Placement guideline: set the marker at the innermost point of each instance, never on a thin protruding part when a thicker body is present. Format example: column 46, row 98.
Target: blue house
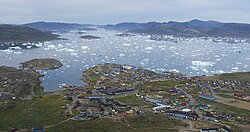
column 41, row 129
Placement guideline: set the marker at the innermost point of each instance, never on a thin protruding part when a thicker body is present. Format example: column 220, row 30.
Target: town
column 116, row 91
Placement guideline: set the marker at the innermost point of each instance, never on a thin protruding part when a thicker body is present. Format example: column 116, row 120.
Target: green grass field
column 35, row 113
column 228, row 109
column 132, row 100
column 42, row 112
column 240, row 76
column 161, row 84
column 147, row 122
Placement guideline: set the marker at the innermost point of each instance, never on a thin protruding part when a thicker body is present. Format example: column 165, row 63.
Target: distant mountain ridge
column 55, row 26
column 19, row 34
column 193, row 28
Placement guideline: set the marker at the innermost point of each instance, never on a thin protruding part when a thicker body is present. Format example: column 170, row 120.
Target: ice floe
column 203, row 63
column 189, row 56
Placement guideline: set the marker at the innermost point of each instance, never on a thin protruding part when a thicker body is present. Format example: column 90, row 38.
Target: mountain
column 54, row 26
column 124, row 26
column 193, row 28
column 19, row 34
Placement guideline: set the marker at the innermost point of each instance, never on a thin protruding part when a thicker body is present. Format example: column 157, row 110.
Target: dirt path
column 49, row 126
column 234, row 102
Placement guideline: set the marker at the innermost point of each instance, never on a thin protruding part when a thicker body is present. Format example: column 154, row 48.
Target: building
column 153, row 100
column 239, row 95
column 226, row 129
column 92, row 98
column 182, row 115
column 38, row 129
column 208, row 97
column 210, row 118
column 208, row 130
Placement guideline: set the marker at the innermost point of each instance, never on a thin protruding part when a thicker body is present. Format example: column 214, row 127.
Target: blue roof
column 209, row 98
column 38, row 129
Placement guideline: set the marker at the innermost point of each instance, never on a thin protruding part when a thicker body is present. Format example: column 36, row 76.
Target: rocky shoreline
column 41, row 64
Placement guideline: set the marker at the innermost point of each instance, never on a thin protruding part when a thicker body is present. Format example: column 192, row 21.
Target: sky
column 117, row 11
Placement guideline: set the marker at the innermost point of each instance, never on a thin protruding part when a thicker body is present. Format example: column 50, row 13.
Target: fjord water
column 190, row 57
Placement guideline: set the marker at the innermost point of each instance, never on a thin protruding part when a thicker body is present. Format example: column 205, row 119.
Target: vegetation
column 55, row 26
column 132, row 100
column 17, row 82
column 47, row 111
column 42, row 64
column 18, row 34
column 161, row 84
column 239, row 76
column 193, row 28
column 34, row 113
column 145, row 122
column 226, row 108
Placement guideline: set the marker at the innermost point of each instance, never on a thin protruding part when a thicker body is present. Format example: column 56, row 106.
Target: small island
column 89, row 29
column 81, row 32
column 124, row 35
column 42, row 64
column 90, row 37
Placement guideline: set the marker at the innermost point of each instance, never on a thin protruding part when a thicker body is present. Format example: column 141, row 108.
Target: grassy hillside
column 237, row 76
column 55, row 26
column 18, row 34
column 25, row 115
column 194, row 28
column 16, row 82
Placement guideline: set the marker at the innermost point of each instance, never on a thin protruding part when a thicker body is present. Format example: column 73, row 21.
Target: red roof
column 121, row 114
column 240, row 95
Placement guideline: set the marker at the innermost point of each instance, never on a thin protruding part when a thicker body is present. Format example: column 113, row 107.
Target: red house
column 239, row 95
column 120, row 114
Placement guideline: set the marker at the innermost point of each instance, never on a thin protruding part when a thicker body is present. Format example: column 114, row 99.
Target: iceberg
column 149, row 48
column 126, row 44
column 203, row 64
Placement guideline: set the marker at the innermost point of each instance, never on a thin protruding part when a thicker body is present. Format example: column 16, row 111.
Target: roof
column 208, row 129
column 186, row 110
column 227, row 129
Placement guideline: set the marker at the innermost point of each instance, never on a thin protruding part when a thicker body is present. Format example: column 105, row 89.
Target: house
column 153, row 100
column 96, row 72
column 177, row 114
column 126, row 67
column 38, row 129
column 89, row 92
column 120, row 114
column 92, row 98
column 117, row 69
column 208, row 130
column 239, row 95
column 210, row 118
column 160, row 107
column 184, row 103
column 156, row 90
column 113, row 74
column 201, row 107
column 207, row 97
column 105, row 74
column 14, row 130
column 226, row 129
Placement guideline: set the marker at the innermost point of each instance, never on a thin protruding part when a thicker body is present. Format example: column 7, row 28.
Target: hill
column 18, row 34
column 193, row 28
column 54, row 26
column 19, row 83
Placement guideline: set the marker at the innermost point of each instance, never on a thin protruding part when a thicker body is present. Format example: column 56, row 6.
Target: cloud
column 114, row 11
